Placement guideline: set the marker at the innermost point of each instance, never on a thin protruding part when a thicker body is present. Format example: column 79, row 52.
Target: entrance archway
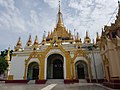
column 55, row 66
column 33, row 71
column 81, row 70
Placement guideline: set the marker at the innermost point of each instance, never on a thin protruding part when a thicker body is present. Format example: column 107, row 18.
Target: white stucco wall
column 17, row 67
column 98, row 63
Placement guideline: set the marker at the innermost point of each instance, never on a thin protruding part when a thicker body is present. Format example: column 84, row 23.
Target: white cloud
column 52, row 3
column 11, row 17
column 25, row 17
column 93, row 14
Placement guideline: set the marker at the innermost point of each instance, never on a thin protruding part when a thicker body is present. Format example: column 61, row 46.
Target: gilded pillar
column 25, row 71
column 41, row 70
column 73, row 69
column 68, row 69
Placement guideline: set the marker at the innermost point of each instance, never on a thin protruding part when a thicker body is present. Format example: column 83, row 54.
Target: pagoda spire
column 60, row 21
column 29, row 42
column 36, row 40
column 19, row 42
column 77, row 36
column 87, row 39
column 18, row 46
column 97, row 37
column 86, row 34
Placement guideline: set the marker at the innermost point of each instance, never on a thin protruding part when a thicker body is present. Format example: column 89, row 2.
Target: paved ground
column 82, row 86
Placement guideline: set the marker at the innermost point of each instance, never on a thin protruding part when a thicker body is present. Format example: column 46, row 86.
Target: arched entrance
column 55, row 67
column 33, row 71
column 81, row 70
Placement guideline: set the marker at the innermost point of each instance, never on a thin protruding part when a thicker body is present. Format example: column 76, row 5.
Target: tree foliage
column 3, row 65
column 4, row 53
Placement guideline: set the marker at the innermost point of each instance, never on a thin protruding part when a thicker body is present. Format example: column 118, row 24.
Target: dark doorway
column 80, row 71
column 33, row 71
column 55, row 67
column 58, row 69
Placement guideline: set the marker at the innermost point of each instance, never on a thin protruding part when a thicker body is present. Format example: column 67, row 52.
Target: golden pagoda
column 60, row 30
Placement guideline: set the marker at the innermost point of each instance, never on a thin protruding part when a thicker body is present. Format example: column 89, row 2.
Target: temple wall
column 98, row 63
column 17, row 67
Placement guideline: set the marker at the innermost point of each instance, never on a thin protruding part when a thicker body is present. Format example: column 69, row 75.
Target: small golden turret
column 36, row 40
column 36, row 43
column 19, row 42
column 77, row 39
column 97, row 38
column 18, row 46
column 44, row 38
column 8, row 55
column 69, row 34
column 48, row 34
column 87, row 39
column 77, row 36
column 29, row 42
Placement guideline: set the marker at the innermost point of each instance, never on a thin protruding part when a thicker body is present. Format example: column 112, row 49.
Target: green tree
column 4, row 53
column 3, row 65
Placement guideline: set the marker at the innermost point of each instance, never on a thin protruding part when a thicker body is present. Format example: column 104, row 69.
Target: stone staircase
column 82, row 81
column 31, row 82
column 55, row 81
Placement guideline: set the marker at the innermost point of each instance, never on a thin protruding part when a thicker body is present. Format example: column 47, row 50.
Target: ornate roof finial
column 29, row 42
column 77, row 35
column 86, row 33
column 97, row 35
column 93, row 42
column 60, row 21
column 59, row 5
column 44, row 35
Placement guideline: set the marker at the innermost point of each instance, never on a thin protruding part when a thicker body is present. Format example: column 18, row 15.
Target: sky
column 25, row 17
